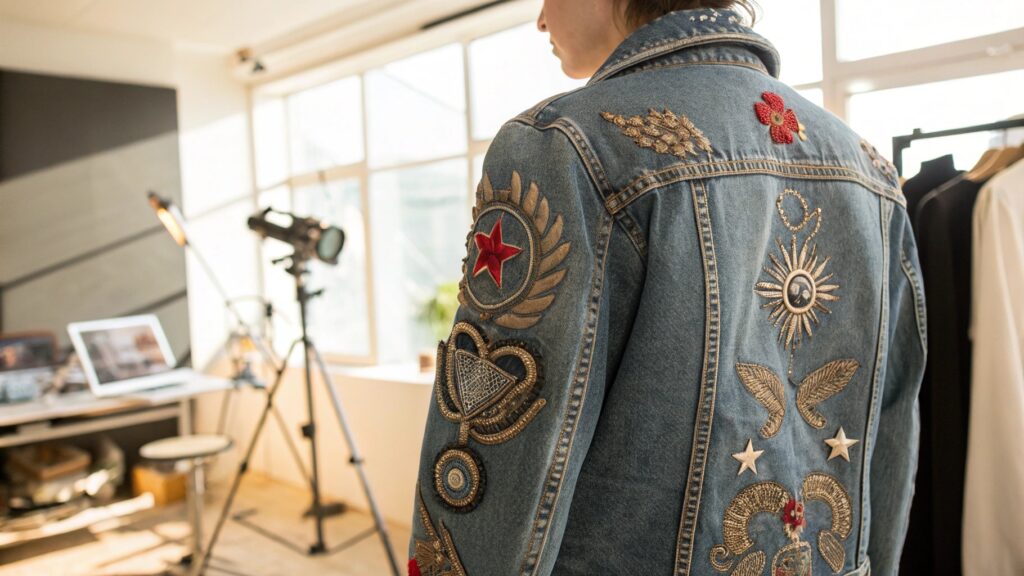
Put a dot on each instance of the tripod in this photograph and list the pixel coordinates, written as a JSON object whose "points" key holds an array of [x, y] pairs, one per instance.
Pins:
{"points": [[298, 269]]}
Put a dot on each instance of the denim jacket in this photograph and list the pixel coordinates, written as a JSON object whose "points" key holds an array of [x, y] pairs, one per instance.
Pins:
{"points": [[691, 333]]}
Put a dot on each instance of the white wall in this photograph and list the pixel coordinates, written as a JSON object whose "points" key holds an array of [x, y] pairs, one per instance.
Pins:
{"points": [[387, 417]]}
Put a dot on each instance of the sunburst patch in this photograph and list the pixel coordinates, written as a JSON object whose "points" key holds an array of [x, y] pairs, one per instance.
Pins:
{"points": [[798, 284], [796, 291]]}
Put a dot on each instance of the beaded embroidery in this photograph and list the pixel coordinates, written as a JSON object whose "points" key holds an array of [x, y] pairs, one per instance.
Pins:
{"points": [[436, 556], [492, 393], [887, 168], [817, 387], [772, 498], [518, 295], [664, 132], [798, 285], [773, 112]]}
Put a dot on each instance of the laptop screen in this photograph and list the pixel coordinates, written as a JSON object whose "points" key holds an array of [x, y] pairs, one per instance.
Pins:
{"points": [[124, 352]]}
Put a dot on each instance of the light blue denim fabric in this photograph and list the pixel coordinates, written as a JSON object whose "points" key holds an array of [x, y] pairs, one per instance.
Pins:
{"points": [[682, 284]]}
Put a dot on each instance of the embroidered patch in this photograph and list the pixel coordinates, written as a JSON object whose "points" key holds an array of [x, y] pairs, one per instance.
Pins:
{"points": [[887, 168], [519, 246], [459, 478], [794, 559], [492, 253], [436, 556], [492, 393], [840, 445], [826, 489], [820, 385], [798, 285], [748, 458], [767, 389], [664, 132], [773, 112]]}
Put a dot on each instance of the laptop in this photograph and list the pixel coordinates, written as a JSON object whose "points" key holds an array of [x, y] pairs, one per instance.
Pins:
{"points": [[130, 356]]}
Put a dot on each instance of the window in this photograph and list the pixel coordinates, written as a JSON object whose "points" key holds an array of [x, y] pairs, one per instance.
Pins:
{"points": [[910, 24], [509, 72], [794, 27], [339, 319], [880, 115], [420, 217], [326, 126], [417, 108]]}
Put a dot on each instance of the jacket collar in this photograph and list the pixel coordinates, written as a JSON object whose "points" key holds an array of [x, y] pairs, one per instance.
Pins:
{"points": [[682, 29]]}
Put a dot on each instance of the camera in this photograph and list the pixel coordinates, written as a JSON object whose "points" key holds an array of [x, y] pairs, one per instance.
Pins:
{"points": [[310, 237]]}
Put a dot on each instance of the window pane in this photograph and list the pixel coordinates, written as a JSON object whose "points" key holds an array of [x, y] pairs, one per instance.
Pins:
{"points": [[878, 116], [867, 28], [509, 72], [417, 108], [794, 27], [815, 95], [339, 319], [326, 126], [270, 142], [420, 221]]}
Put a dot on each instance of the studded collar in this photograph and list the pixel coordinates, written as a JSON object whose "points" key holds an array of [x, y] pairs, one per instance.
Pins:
{"points": [[683, 30]]}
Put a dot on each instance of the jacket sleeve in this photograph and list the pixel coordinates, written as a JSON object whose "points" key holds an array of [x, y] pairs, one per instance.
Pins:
{"points": [[520, 379], [894, 458]]}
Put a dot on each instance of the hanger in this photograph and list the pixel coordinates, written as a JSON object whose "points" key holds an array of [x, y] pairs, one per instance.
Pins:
{"points": [[993, 161]]}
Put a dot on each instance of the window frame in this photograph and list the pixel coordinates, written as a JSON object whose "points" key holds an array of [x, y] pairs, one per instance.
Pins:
{"points": [[993, 53]]}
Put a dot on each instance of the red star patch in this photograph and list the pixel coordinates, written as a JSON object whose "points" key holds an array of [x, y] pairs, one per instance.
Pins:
{"points": [[493, 253]]}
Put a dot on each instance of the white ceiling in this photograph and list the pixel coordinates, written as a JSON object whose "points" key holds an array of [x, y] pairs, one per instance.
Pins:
{"points": [[219, 24]]}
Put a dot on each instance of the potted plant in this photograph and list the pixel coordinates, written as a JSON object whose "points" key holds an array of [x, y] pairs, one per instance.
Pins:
{"points": [[438, 312]]}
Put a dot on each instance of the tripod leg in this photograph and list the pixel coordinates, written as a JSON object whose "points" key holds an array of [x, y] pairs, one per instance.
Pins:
{"points": [[291, 443], [356, 459], [243, 467]]}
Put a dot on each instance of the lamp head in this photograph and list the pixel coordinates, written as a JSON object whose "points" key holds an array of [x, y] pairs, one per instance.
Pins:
{"points": [[170, 217]]}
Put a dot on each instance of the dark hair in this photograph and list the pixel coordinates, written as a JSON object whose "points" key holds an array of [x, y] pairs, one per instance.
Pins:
{"points": [[640, 12]]}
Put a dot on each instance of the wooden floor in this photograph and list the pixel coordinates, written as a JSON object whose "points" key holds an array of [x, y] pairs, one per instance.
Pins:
{"points": [[149, 542]]}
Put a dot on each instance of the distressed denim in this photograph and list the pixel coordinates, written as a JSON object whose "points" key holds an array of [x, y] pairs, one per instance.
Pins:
{"points": [[691, 333]]}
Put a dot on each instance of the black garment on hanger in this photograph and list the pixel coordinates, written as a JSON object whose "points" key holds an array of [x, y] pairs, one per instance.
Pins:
{"points": [[943, 226], [934, 173]]}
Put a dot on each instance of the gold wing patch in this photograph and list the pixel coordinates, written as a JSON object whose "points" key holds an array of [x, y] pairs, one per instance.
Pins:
{"points": [[767, 389], [820, 385], [664, 132], [522, 305]]}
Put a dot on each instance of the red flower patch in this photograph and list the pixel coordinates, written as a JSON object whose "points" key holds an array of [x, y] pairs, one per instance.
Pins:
{"points": [[414, 568], [773, 112]]}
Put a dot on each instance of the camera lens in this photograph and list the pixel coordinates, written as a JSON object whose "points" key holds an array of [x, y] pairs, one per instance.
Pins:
{"points": [[330, 243]]}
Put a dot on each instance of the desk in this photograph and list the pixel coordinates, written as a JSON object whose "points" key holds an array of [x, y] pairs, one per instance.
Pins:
{"points": [[77, 414], [64, 415]]}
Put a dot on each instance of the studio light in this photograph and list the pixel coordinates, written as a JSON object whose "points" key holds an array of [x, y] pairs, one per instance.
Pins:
{"points": [[170, 216]]}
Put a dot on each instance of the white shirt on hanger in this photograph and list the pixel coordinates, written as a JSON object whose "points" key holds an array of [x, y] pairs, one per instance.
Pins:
{"points": [[993, 530]]}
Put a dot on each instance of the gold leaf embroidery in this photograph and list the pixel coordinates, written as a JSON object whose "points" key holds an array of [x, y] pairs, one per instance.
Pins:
{"points": [[438, 550], [820, 385], [767, 389], [525, 306], [664, 132], [827, 489], [831, 550], [772, 498], [752, 565]]}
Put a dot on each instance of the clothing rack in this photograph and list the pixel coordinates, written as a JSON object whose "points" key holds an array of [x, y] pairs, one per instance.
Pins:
{"points": [[901, 143]]}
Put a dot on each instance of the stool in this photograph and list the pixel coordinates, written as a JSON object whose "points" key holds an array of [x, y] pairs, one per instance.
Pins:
{"points": [[195, 451]]}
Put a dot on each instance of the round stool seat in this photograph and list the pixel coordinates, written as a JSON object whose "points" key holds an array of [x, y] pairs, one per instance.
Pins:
{"points": [[186, 447]]}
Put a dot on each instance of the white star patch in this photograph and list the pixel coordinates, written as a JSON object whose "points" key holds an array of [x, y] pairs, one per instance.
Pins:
{"points": [[748, 458], [840, 445]]}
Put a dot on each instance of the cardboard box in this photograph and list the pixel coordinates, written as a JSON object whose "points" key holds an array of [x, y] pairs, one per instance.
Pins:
{"points": [[166, 487]]}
